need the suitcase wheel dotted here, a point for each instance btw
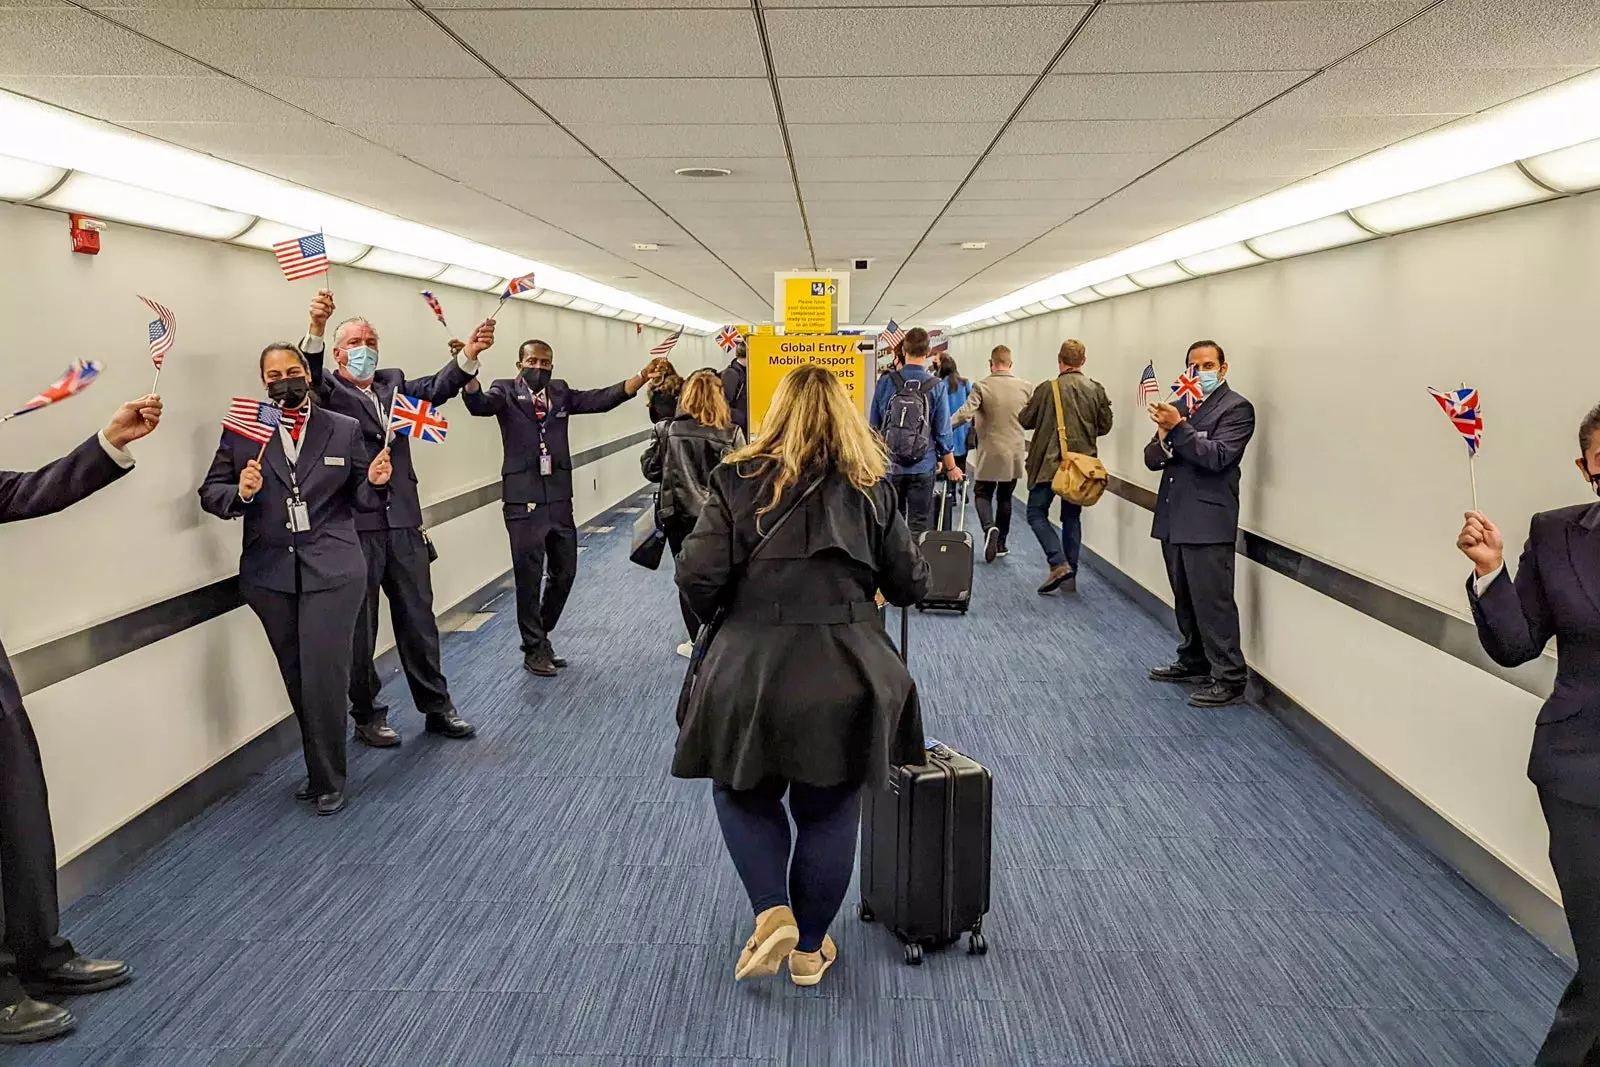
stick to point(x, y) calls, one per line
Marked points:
point(914, 955)
point(864, 913)
point(977, 945)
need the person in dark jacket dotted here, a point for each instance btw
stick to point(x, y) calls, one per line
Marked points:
point(1556, 594)
point(392, 540)
point(34, 958)
point(663, 390)
point(682, 454)
point(301, 569)
point(801, 691)
point(736, 385)
point(534, 411)
point(1198, 448)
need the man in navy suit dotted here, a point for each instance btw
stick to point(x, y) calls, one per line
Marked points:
point(34, 957)
point(1197, 448)
point(396, 549)
point(534, 411)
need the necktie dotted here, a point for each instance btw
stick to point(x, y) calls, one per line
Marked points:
point(541, 408)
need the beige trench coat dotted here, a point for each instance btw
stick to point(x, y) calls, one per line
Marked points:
point(994, 405)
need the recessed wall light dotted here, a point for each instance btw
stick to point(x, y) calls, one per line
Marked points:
point(702, 172)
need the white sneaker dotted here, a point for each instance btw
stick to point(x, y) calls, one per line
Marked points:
point(686, 650)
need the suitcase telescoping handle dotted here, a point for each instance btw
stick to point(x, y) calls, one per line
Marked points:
point(905, 631)
point(960, 509)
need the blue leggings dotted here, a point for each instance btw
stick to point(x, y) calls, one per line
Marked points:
point(814, 882)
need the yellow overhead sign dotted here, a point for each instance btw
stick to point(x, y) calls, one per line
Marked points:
point(848, 359)
point(765, 330)
point(808, 305)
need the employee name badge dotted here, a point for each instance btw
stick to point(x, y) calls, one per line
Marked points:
point(547, 464)
point(299, 516)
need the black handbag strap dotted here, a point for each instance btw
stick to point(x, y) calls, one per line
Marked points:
point(766, 538)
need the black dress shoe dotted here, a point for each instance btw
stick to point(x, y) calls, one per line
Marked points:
point(330, 803)
point(1217, 695)
point(377, 733)
point(29, 1020)
point(449, 724)
point(560, 663)
point(304, 792)
point(1179, 673)
point(540, 663)
point(80, 974)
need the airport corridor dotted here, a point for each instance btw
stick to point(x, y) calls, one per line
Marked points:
point(1171, 886)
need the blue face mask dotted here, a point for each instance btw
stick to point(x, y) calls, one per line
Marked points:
point(1209, 380)
point(361, 362)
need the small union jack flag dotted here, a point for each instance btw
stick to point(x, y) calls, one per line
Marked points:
point(1461, 406)
point(1148, 388)
point(434, 305)
point(410, 417)
point(301, 257)
point(666, 346)
point(163, 331)
point(1187, 387)
point(77, 378)
point(727, 338)
point(523, 284)
point(257, 420)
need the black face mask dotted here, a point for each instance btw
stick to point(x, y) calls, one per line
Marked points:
point(536, 377)
point(289, 393)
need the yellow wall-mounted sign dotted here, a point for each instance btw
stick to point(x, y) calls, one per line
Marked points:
point(765, 329)
point(848, 359)
point(808, 305)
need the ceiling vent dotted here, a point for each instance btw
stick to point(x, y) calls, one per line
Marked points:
point(702, 172)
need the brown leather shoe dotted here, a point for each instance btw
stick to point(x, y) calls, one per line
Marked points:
point(377, 733)
point(1058, 578)
point(80, 974)
point(30, 1020)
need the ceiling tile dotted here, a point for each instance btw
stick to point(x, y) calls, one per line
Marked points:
point(1152, 136)
point(846, 41)
point(886, 168)
point(118, 98)
point(512, 142)
point(1155, 96)
point(434, 101)
point(746, 170)
point(1357, 90)
point(580, 43)
point(1494, 33)
point(897, 139)
point(1358, 133)
point(731, 5)
point(711, 145)
point(232, 139)
point(654, 100)
point(1051, 208)
point(243, 5)
point(912, 99)
point(1283, 35)
point(894, 191)
point(1088, 167)
point(36, 41)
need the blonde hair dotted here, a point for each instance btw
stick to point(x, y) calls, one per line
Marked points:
point(812, 420)
point(703, 400)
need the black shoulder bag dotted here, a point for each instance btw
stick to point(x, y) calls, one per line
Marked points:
point(709, 629)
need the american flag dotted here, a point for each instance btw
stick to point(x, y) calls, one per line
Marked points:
point(523, 284)
point(727, 338)
point(666, 346)
point(433, 303)
point(258, 420)
point(77, 378)
point(1461, 405)
point(163, 331)
point(301, 257)
point(1187, 387)
point(891, 336)
point(410, 417)
point(1148, 388)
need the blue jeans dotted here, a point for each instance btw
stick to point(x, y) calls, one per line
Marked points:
point(1057, 550)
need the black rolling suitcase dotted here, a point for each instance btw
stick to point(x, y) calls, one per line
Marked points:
point(925, 850)
point(949, 554)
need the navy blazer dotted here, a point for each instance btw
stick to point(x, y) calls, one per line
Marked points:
point(1556, 594)
point(1198, 502)
point(338, 393)
point(510, 401)
point(332, 475)
point(85, 470)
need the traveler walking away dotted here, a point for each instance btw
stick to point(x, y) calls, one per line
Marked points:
point(1197, 449)
point(736, 384)
point(663, 387)
point(801, 691)
point(911, 414)
point(1087, 412)
point(957, 389)
point(683, 453)
point(994, 409)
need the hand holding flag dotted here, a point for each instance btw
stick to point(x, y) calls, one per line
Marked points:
point(77, 378)
point(133, 420)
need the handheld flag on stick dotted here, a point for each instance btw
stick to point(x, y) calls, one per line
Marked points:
point(301, 257)
point(77, 378)
point(419, 419)
point(1148, 389)
point(666, 346)
point(163, 331)
point(1187, 387)
point(257, 420)
point(891, 336)
point(523, 284)
point(727, 338)
point(1462, 408)
point(436, 308)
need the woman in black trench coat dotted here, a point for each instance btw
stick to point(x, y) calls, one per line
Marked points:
point(1556, 593)
point(802, 691)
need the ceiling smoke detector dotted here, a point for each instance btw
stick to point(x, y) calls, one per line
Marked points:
point(702, 172)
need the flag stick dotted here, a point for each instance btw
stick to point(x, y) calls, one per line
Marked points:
point(498, 307)
point(1472, 470)
point(388, 429)
point(156, 382)
point(262, 454)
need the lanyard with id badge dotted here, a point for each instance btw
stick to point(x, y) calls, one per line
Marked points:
point(547, 463)
point(299, 513)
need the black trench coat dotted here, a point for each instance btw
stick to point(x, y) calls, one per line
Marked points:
point(802, 684)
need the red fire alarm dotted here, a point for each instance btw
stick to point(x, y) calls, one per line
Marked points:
point(86, 234)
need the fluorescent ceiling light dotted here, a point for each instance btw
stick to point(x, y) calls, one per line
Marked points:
point(1572, 170)
point(471, 279)
point(1118, 287)
point(1230, 257)
point(265, 234)
point(608, 312)
point(381, 259)
point(1331, 232)
point(105, 199)
point(1056, 303)
point(581, 304)
point(547, 296)
point(1008, 316)
point(40, 133)
point(1165, 274)
point(1084, 296)
point(1036, 309)
point(1478, 194)
point(23, 180)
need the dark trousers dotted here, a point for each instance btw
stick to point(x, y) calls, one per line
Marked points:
point(397, 563)
point(814, 880)
point(1208, 616)
point(32, 920)
point(544, 542)
point(1574, 1038)
point(677, 532)
point(914, 496)
point(310, 635)
point(990, 516)
point(1057, 549)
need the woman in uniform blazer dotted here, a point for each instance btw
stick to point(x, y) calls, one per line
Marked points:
point(801, 691)
point(1556, 593)
point(301, 569)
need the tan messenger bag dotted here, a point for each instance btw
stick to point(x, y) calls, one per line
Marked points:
point(1081, 479)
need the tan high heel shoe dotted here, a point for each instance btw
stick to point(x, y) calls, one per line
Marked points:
point(775, 936)
point(807, 968)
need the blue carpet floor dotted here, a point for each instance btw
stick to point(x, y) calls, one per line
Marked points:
point(1171, 886)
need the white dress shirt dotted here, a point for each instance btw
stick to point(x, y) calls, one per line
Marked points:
point(312, 345)
point(120, 456)
point(1480, 584)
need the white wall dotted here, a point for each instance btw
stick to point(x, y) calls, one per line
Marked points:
point(118, 738)
point(1354, 464)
